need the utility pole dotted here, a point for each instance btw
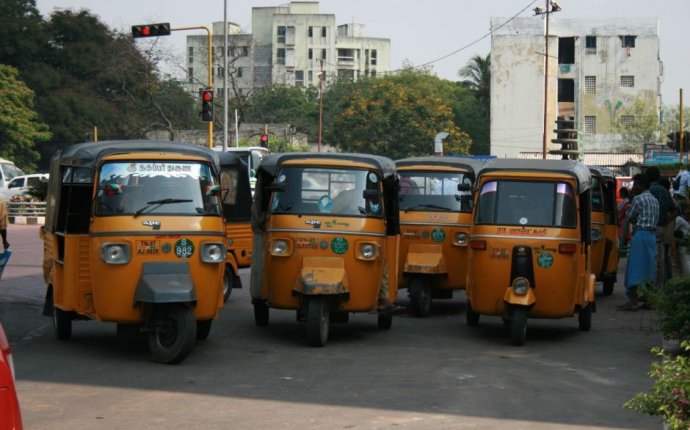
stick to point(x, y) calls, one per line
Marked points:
point(681, 127)
point(549, 7)
point(225, 75)
point(320, 102)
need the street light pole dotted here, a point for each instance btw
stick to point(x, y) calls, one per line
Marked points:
point(320, 103)
point(225, 75)
point(549, 7)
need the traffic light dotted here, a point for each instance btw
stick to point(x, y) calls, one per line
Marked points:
point(674, 140)
point(264, 140)
point(151, 30)
point(207, 105)
point(566, 136)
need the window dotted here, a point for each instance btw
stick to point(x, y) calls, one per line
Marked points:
point(190, 51)
point(245, 51)
point(527, 203)
point(323, 31)
point(190, 75)
point(628, 81)
point(299, 78)
point(280, 55)
point(373, 73)
point(628, 41)
point(566, 90)
point(323, 54)
point(590, 124)
point(566, 50)
point(310, 55)
point(281, 34)
point(426, 191)
point(373, 57)
point(590, 44)
point(590, 84)
point(239, 72)
point(310, 76)
point(311, 31)
point(627, 120)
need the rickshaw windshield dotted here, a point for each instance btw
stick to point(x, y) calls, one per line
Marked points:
point(434, 191)
point(323, 190)
point(527, 203)
point(597, 195)
point(155, 187)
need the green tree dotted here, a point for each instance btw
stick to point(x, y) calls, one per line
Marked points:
point(21, 32)
point(388, 116)
point(478, 79)
point(19, 127)
point(297, 106)
point(637, 123)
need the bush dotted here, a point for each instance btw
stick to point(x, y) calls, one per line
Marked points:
point(669, 396)
point(672, 302)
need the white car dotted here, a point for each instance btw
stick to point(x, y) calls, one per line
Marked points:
point(22, 184)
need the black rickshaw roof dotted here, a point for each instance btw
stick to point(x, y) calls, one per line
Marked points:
point(233, 158)
point(385, 165)
point(90, 153)
point(604, 173)
point(470, 164)
point(572, 168)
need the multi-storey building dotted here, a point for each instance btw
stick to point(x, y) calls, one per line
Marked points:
point(597, 68)
point(289, 45)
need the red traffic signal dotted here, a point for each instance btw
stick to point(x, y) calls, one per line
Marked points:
point(151, 30)
point(207, 105)
point(264, 140)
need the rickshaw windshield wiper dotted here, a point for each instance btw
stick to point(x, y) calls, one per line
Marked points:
point(153, 204)
point(428, 206)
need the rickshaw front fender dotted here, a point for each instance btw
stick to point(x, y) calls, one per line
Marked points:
point(322, 275)
point(425, 259)
point(511, 298)
point(165, 282)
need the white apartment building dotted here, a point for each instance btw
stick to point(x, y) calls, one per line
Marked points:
point(597, 67)
point(288, 45)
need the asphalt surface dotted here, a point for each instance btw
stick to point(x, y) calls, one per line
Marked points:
point(432, 373)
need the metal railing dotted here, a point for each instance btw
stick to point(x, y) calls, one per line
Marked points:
point(26, 209)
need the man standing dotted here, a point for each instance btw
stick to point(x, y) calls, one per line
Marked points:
point(643, 214)
point(3, 223)
point(665, 223)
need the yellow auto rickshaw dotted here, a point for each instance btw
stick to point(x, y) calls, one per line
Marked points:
point(326, 238)
point(435, 216)
point(604, 227)
point(237, 202)
point(136, 237)
point(530, 241)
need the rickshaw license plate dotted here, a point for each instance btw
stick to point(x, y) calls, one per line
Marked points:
point(148, 247)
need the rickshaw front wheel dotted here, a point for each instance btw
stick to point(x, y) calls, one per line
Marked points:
point(385, 321)
point(318, 321)
point(608, 287)
point(518, 326)
point(173, 333)
point(261, 313)
point(230, 279)
point(584, 318)
point(203, 328)
point(62, 324)
point(472, 316)
point(420, 296)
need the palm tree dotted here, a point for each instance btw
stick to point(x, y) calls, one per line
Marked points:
point(478, 74)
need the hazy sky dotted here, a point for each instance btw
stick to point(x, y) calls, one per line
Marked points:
point(420, 31)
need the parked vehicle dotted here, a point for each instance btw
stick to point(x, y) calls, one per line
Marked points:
point(328, 251)
point(7, 172)
point(435, 216)
point(10, 414)
point(22, 184)
point(530, 244)
point(237, 202)
point(136, 237)
point(604, 228)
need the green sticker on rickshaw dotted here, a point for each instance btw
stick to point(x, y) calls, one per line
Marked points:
point(438, 235)
point(545, 260)
point(323, 244)
point(184, 248)
point(339, 245)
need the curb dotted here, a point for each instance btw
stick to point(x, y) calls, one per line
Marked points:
point(28, 220)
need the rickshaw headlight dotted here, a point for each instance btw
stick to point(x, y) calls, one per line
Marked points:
point(460, 239)
point(280, 247)
point(115, 253)
point(596, 235)
point(520, 286)
point(212, 252)
point(368, 251)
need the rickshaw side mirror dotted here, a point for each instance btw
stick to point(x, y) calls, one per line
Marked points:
point(465, 187)
point(369, 194)
point(276, 188)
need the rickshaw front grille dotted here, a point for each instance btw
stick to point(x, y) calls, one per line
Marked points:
point(84, 258)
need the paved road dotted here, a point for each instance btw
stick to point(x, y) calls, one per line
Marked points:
point(433, 373)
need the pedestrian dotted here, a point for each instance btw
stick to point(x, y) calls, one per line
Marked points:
point(665, 224)
point(683, 181)
point(643, 215)
point(4, 220)
point(624, 232)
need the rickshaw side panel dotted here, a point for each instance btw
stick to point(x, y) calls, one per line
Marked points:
point(240, 242)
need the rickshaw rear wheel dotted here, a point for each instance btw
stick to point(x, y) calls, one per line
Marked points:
point(261, 313)
point(420, 296)
point(62, 324)
point(584, 318)
point(173, 333)
point(385, 321)
point(230, 279)
point(203, 328)
point(472, 316)
point(608, 287)
point(318, 321)
point(518, 326)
